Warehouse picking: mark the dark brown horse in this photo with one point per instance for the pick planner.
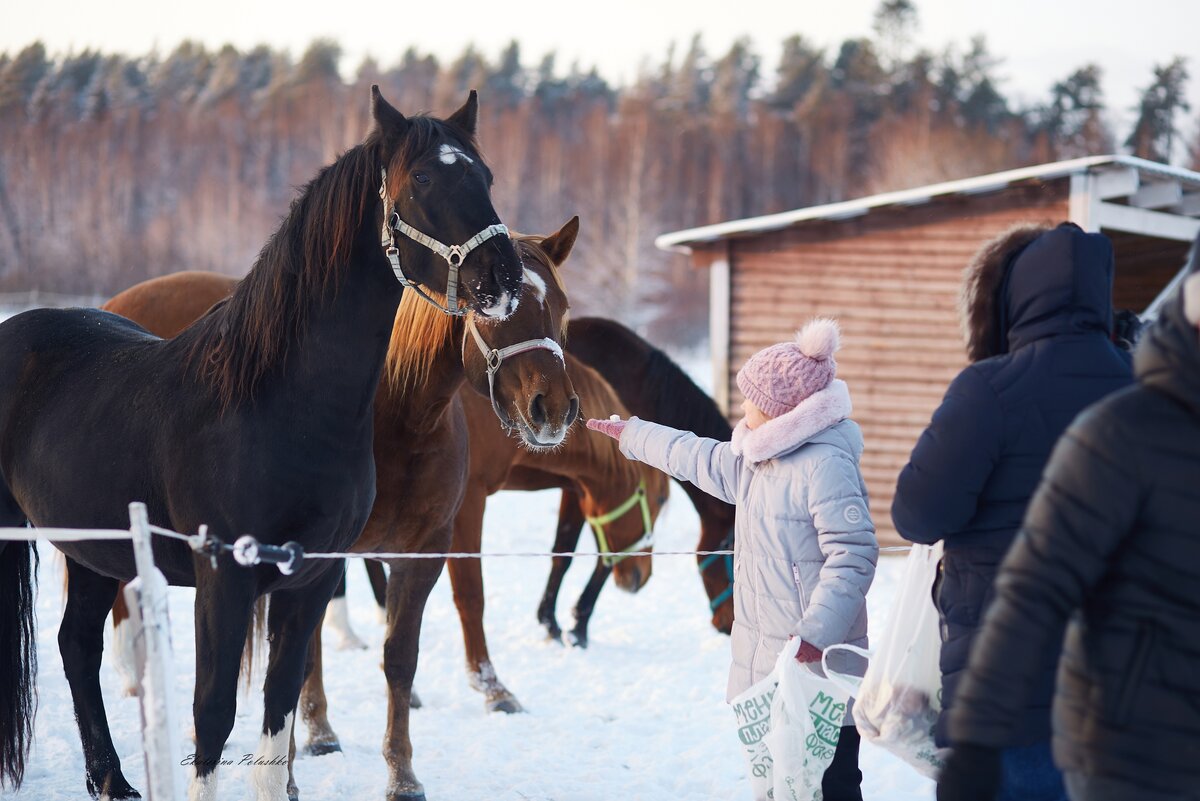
(421, 446)
(256, 419)
(654, 388)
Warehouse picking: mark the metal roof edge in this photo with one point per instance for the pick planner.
(681, 241)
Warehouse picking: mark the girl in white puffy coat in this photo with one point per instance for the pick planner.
(804, 544)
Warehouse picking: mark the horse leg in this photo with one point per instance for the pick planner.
(586, 603)
(466, 580)
(337, 615)
(566, 538)
(409, 584)
(224, 606)
(378, 579)
(81, 643)
(291, 621)
(314, 707)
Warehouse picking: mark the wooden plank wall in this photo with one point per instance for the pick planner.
(892, 279)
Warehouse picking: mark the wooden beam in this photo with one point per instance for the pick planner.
(1189, 205)
(1111, 184)
(1146, 222)
(1081, 203)
(1157, 195)
(719, 296)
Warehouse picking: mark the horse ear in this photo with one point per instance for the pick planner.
(387, 118)
(468, 115)
(558, 245)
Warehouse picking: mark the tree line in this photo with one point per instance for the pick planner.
(115, 168)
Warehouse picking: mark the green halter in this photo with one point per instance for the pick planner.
(638, 498)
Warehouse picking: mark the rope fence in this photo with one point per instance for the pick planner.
(146, 597)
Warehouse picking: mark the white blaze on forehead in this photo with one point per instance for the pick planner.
(451, 154)
(535, 281)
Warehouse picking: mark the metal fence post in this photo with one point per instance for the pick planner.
(147, 599)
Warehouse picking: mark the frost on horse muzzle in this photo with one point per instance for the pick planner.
(453, 254)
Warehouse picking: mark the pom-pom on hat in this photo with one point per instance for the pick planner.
(778, 378)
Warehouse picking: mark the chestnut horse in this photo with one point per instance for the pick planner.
(421, 443)
(256, 419)
(654, 388)
(590, 465)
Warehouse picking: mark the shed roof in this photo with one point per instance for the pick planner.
(683, 241)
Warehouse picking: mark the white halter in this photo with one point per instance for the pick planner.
(453, 254)
(496, 356)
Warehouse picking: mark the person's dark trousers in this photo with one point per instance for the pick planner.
(1028, 774)
(843, 780)
(1085, 787)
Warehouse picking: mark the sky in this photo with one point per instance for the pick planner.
(1040, 41)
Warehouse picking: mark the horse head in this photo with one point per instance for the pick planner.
(518, 361)
(438, 227)
(623, 523)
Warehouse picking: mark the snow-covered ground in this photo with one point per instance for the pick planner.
(639, 715)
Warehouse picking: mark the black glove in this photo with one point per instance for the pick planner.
(972, 773)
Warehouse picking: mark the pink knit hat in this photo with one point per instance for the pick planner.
(778, 378)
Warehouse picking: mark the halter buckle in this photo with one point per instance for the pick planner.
(455, 255)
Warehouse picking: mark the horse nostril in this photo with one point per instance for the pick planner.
(572, 412)
(537, 410)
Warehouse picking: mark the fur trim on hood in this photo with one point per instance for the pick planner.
(979, 311)
(789, 431)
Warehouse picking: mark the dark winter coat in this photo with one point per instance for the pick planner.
(1111, 542)
(973, 471)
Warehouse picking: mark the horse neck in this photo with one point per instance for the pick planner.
(422, 407)
(340, 359)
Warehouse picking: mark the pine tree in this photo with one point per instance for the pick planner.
(1155, 131)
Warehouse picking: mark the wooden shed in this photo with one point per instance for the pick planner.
(889, 267)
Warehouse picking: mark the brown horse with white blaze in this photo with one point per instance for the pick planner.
(626, 495)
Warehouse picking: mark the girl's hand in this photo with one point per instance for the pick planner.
(612, 427)
(808, 653)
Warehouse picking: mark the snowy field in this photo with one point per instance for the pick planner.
(639, 715)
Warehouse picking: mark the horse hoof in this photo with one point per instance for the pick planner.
(579, 639)
(554, 633)
(322, 748)
(420, 796)
(414, 700)
(293, 793)
(507, 704)
(118, 790)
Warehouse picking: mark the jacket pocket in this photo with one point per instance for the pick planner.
(1139, 661)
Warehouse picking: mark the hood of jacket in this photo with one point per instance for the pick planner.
(1168, 354)
(1035, 283)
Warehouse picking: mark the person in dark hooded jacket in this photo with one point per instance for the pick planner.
(1110, 544)
(1038, 317)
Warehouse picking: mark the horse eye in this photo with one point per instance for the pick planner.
(421, 177)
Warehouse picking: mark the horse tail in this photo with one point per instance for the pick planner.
(256, 635)
(18, 658)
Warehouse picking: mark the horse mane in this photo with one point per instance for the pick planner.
(300, 266)
(421, 330)
(597, 398)
(678, 402)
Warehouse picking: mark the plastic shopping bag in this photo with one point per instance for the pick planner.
(789, 725)
(898, 702)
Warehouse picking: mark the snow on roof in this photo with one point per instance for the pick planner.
(681, 241)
